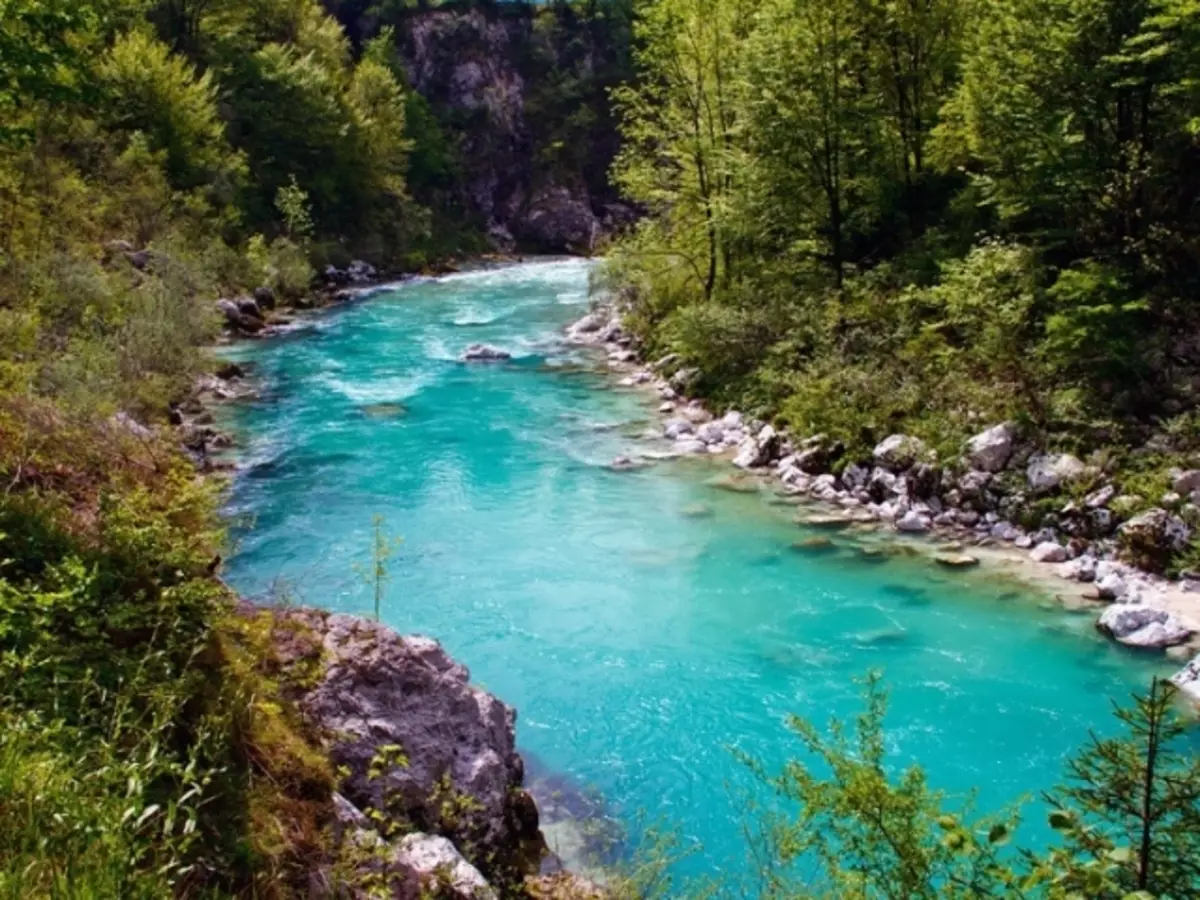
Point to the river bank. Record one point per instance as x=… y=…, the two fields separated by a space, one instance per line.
x=904 y=489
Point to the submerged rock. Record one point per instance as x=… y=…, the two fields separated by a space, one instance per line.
x=955 y=560
x=484 y=353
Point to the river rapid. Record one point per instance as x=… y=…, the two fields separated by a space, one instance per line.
x=643 y=623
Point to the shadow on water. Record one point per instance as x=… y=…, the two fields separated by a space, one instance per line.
x=583 y=833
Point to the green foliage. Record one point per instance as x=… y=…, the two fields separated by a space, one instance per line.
x=855 y=827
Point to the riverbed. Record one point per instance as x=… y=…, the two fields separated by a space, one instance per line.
x=643 y=622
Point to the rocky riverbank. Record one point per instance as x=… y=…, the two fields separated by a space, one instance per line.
x=1003 y=493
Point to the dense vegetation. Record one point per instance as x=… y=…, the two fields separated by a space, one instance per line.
x=850 y=205
x=923 y=215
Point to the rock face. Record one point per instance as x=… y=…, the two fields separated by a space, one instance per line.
x=488 y=67
x=990 y=450
x=379 y=695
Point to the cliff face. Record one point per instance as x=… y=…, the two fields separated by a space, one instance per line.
x=520 y=95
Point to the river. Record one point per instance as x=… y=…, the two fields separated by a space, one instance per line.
x=643 y=623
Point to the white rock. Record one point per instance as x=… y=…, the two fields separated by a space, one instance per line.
x=990 y=450
x=691 y=445
x=1045 y=473
x=732 y=419
x=1049 y=552
x=1168 y=633
x=1187 y=679
x=1111 y=586
x=667 y=408
x=1101 y=498
x=1005 y=531
x=913 y=522
x=677 y=428
x=441 y=869
x=711 y=432
x=1081 y=569
x=1024 y=542
x=1123 y=619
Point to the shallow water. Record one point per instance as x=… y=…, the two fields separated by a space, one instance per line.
x=642 y=622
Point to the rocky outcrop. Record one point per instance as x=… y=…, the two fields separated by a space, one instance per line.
x=488 y=74
x=415 y=740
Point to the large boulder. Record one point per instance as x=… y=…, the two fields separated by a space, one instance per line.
x=1049 y=472
x=1185 y=481
x=400 y=718
x=1138 y=625
x=899 y=451
x=237 y=320
x=762 y=450
x=1151 y=539
x=557 y=221
x=990 y=450
x=923 y=481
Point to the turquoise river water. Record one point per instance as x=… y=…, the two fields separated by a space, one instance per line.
x=643 y=623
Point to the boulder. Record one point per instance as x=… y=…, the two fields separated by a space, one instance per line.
x=1150 y=539
x=248 y=306
x=1110 y=586
x=711 y=432
x=923 y=481
x=684 y=379
x=755 y=452
x=1049 y=552
x=816 y=458
x=691 y=445
x=360 y=272
x=1046 y=473
x=1187 y=679
x=237 y=320
x=558 y=221
x=913 y=522
x=366 y=690
x=1100 y=498
x=1138 y=625
x=1185 y=481
x=990 y=450
x=899 y=451
x=484 y=353
x=882 y=485
x=856 y=477
x=440 y=870
x=973 y=486
x=677 y=428
x=264 y=297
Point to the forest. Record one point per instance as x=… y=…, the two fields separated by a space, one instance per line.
x=849 y=216
x=878 y=215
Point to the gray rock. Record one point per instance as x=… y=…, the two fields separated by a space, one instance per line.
x=1185 y=481
x=856 y=477
x=1137 y=625
x=361 y=272
x=375 y=690
x=711 y=432
x=683 y=380
x=440 y=869
x=882 y=485
x=1045 y=473
x=1005 y=531
x=484 y=353
x=676 y=428
x=690 y=445
x=1049 y=552
x=558 y=221
x=899 y=451
x=755 y=452
x=990 y=450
